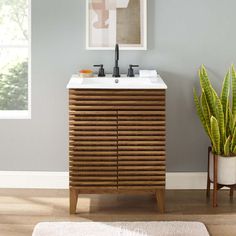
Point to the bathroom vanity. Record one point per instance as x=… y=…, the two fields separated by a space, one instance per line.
x=117 y=134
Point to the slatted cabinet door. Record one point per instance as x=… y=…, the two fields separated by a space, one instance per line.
x=117 y=142
x=141 y=141
x=93 y=141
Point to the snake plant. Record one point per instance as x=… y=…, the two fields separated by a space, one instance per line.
x=218 y=113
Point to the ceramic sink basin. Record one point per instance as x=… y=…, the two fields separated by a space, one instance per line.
x=116 y=83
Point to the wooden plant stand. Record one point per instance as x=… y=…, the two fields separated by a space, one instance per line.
x=216 y=185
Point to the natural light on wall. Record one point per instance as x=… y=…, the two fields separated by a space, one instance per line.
x=15 y=59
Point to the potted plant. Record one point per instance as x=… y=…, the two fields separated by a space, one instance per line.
x=218 y=117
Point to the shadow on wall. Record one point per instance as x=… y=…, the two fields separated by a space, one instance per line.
x=183 y=144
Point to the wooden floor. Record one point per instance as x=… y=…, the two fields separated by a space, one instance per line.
x=21 y=210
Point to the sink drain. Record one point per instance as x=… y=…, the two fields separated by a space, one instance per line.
x=116 y=81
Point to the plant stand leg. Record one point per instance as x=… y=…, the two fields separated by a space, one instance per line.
x=160 y=197
x=208 y=188
x=208 y=175
x=231 y=192
x=73 y=200
x=215 y=181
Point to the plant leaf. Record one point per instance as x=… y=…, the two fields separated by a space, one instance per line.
x=233 y=90
x=230 y=125
x=205 y=109
x=220 y=119
x=207 y=88
x=200 y=112
x=215 y=133
x=227 y=146
x=225 y=96
x=233 y=142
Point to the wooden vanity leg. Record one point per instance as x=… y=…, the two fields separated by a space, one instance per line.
x=160 y=197
x=73 y=200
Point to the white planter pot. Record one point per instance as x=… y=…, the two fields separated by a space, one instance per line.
x=226 y=174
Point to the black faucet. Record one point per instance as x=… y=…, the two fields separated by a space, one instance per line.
x=116 y=70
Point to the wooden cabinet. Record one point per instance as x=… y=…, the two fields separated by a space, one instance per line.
x=117 y=142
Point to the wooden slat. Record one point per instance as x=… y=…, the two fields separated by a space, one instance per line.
x=92 y=183
x=142 y=142
x=93 y=163
x=93 y=158
x=139 y=182
x=140 y=117
x=91 y=128
x=93 y=148
x=93 y=153
x=94 y=178
x=92 y=118
x=140 y=138
x=141 y=127
x=114 y=107
x=141 y=163
x=141 y=148
x=143 y=188
x=98 y=189
x=145 y=123
x=92 y=138
x=149 y=177
x=93 y=123
x=94 y=173
x=92 y=133
x=94 y=113
x=117 y=103
x=105 y=97
x=93 y=143
x=92 y=168
x=114 y=163
x=141 y=132
x=142 y=153
x=141 y=113
x=141 y=168
x=141 y=173
x=137 y=158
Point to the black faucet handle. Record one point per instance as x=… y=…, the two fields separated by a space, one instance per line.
x=131 y=70
x=101 y=72
x=131 y=66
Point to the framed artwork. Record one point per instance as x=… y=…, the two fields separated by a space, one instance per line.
x=116 y=21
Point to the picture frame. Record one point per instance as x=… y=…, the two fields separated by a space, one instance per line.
x=116 y=21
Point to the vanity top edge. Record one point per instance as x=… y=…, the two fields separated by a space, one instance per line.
x=122 y=82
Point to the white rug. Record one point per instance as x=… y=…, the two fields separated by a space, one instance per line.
x=171 y=228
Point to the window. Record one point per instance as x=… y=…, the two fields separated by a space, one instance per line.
x=15 y=59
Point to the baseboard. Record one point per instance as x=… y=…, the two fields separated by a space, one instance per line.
x=60 y=180
x=34 y=179
x=186 y=180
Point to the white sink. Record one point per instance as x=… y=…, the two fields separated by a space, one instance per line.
x=110 y=82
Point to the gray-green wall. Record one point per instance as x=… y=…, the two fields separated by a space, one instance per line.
x=182 y=34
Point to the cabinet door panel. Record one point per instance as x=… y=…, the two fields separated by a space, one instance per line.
x=141 y=142
x=93 y=142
